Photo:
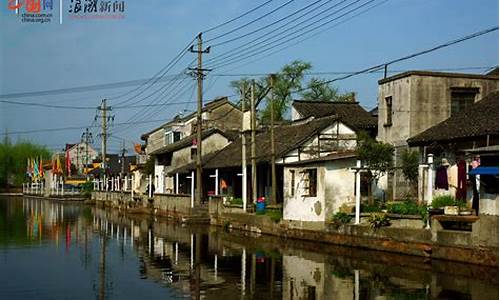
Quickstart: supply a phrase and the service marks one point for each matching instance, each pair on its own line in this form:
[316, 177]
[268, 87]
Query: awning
[484, 171]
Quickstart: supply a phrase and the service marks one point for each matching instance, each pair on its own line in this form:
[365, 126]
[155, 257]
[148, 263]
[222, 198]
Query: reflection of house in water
[236, 265]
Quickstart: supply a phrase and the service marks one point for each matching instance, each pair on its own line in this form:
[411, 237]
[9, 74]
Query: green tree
[409, 167]
[376, 156]
[286, 81]
[289, 79]
[319, 90]
[13, 160]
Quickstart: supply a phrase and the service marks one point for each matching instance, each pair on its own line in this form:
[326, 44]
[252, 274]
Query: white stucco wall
[335, 187]
[299, 207]
[488, 204]
[339, 185]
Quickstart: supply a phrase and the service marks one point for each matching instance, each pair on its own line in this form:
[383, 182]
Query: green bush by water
[378, 220]
[275, 215]
[341, 218]
[446, 200]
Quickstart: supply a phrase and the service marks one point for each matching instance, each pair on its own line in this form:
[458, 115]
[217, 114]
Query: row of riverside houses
[450, 115]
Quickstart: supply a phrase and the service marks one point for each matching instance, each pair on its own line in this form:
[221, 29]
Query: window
[310, 182]
[462, 98]
[388, 111]
[172, 137]
[292, 182]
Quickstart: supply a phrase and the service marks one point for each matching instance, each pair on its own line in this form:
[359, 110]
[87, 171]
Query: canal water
[50, 250]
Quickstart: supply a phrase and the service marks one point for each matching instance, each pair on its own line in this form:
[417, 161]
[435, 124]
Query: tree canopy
[13, 160]
[287, 81]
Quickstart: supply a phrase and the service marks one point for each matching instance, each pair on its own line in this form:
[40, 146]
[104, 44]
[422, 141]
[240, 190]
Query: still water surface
[50, 250]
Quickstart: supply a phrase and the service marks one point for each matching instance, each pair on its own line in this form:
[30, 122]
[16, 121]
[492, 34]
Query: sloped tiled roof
[287, 138]
[187, 141]
[219, 101]
[350, 113]
[479, 120]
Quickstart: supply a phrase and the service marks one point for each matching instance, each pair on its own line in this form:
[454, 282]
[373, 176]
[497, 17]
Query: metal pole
[430, 161]
[358, 191]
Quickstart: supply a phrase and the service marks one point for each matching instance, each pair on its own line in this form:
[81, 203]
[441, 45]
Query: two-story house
[411, 102]
[173, 143]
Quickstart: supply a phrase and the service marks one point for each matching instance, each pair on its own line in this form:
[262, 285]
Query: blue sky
[47, 56]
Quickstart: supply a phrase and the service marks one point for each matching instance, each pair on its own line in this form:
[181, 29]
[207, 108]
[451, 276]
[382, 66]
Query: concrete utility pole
[104, 127]
[253, 127]
[243, 153]
[272, 78]
[199, 72]
[123, 157]
[87, 138]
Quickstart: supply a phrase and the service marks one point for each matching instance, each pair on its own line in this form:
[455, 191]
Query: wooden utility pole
[243, 152]
[253, 127]
[199, 72]
[273, 146]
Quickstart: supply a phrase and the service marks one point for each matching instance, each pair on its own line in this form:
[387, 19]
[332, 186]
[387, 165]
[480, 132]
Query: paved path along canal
[50, 250]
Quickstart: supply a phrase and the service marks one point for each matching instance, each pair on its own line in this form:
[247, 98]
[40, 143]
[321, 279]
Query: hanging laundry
[442, 175]
[453, 179]
[462, 180]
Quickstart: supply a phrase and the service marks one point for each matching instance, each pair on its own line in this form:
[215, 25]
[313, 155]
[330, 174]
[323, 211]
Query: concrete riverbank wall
[477, 246]
[176, 206]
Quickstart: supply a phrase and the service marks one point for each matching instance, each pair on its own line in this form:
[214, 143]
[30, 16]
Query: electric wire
[238, 17]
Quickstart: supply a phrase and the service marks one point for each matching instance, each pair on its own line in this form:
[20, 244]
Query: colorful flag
[28, 167]
[41, 173]
[58, 165]
[54, 166]
[35, 169]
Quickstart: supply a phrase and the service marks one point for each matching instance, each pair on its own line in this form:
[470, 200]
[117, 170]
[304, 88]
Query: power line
[238, 17]
[267, 26]
[78, 127]
[251, 22]
[155, 77]
[80, 89]
[273, 31]
[285, 39]
[379, 66]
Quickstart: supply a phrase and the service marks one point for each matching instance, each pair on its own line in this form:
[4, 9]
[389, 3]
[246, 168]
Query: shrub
[408, 207]
[377, 206]
[274, 214]
[446, 200]
[236, 201]
[86, 189]
[378, 220]
[341, 217]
